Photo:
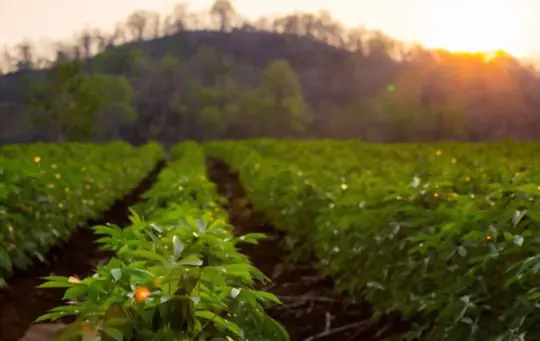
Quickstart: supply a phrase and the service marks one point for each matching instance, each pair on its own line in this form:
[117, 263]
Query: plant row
[447, 235]
[48, 190]
[177, 274]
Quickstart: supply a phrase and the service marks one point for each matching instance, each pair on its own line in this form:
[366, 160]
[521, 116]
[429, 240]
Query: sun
[479, 26]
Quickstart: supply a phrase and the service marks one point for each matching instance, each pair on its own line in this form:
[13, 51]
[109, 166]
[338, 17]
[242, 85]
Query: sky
[452, 24]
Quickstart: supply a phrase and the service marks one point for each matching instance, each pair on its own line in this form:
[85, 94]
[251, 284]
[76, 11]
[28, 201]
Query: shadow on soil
[21, 302]
[311, 310]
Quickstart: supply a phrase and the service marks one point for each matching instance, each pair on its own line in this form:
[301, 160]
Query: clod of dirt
[44, 332]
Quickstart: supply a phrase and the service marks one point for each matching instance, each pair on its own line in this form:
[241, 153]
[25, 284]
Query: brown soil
[21, 302]
[311, 310]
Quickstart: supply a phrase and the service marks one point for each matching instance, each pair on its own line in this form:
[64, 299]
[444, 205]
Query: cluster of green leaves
[48, 190]
[177, 274]
[445, 234]
[72, 102]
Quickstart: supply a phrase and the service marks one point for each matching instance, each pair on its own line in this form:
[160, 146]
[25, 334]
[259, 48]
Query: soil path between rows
[311, 310]
[21, 303]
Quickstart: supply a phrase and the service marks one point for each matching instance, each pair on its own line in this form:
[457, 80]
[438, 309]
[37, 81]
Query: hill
[302, 75]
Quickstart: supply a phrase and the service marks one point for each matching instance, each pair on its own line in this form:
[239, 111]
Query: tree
[70, 100]
[62, 54]
[86, 39]
[210, 65]
[8, 61]
[137, 23]
[115, 111]
[282, 93]
[212, 121]
[177, 20]
[122, 60]
[156, 85]
[63, 101]
[224, 11]
[26, 56]
[154, 19]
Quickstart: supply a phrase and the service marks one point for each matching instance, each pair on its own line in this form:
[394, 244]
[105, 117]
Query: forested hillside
[216, 75]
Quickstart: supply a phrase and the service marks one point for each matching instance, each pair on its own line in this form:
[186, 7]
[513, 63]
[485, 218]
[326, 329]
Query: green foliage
[274, 107]
[218, 106]
[213, 122]
[123, 60]
[169, 63]
[443, 234]
[73, 102]
[177, 274]
[178, 151]
[47, 191]
[115, 95]
[64, 101]
[282, 93]
[406, 119]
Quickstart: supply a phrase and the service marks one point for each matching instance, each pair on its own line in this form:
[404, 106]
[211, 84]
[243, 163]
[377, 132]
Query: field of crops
[46, 191]
[444, 235]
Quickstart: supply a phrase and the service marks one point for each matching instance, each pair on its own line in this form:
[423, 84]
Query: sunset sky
[453, 24]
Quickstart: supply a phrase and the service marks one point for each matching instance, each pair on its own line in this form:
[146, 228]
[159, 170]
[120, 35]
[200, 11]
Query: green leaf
[112, 231]
[54, 284]
[76, 291]
[52, 316]
[191, 260]
[114, 333]
[518, 215]
[267, 296]
[528, 188]
[208, 315]
[148, 255]
[117, 274]
[252, 238]
[5, 261]
[178, 247]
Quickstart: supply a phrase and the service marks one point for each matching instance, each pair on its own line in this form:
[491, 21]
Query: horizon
[457, 27]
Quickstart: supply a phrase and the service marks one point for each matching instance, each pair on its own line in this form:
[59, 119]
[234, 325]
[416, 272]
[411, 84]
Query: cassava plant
[172, 279]
[177, 274]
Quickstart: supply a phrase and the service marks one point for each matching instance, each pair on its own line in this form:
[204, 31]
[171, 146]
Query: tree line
[217, 75]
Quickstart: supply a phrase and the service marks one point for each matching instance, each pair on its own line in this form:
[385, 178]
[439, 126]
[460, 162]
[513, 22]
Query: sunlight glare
[479, 26]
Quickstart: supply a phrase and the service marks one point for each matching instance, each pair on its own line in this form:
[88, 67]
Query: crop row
[177, 274]
[447, 235]
[47, 191]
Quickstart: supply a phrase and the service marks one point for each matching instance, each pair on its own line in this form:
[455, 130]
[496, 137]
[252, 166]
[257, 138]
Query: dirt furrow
[311, 310]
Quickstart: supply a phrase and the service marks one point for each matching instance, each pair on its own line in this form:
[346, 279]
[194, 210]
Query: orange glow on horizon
[479, 26]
